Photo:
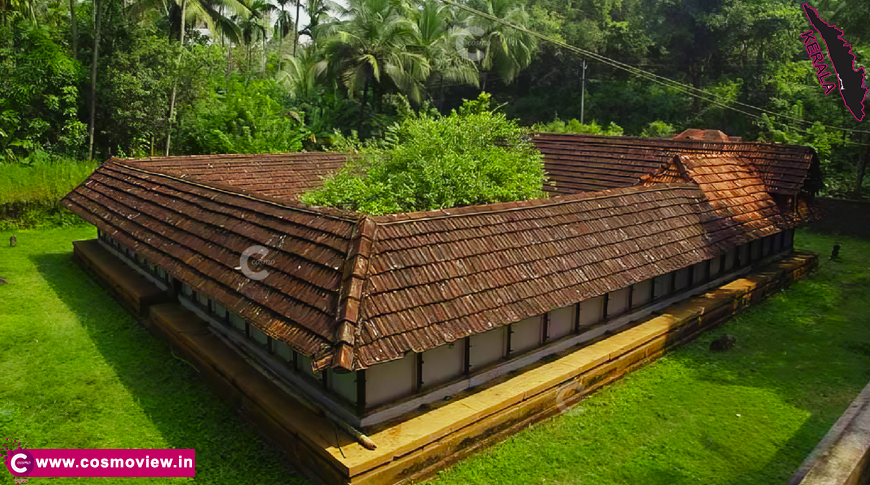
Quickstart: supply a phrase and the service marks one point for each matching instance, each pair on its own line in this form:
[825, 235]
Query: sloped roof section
[281, 176]
[738, 207]
[439, 276]
[197, 234]
[578, 163]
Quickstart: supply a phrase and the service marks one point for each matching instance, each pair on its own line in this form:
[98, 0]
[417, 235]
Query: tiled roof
[197, 234]
[283, 176]
[734, 194]
[436, 277]
[352, 291]
[587, 162]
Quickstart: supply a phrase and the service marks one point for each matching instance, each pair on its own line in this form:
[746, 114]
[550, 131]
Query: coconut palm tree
[302, 73]
[439, 36]
[506, 51]
[254, 28]
[318, 13]
[180, 14]
[282, 28]
[376, 46]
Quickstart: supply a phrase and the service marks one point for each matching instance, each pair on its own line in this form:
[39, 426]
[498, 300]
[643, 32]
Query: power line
[687, 89]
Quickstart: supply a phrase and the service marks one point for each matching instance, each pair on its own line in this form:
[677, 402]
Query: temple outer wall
[430, 441]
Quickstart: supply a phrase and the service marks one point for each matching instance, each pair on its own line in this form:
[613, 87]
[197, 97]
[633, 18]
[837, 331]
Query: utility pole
[583, 93]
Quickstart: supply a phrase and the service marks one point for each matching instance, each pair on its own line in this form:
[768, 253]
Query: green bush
[246, 119]
[658, 129]
[426, 162]
[575, 127]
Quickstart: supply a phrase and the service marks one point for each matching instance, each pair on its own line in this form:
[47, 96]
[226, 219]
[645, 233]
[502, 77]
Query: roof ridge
[347, 315]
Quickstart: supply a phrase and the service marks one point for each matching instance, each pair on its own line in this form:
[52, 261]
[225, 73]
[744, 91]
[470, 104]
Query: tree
[302, 72]
[95, 57]
[318, 13]
[207, 11]
[375, 46]
[439, 35]
[282, 28]
[38, 95]
[506, 51]
[253, 28]
[74, 28]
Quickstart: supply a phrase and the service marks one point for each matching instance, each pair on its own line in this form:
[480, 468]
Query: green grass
[41, 183]
[79, 372]
[30, 195]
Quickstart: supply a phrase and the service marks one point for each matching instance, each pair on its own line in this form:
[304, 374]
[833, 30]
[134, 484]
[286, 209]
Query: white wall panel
[444, 363]
[663, 284]
[755, 250]
[488, 347]
[283, 351]
[730, 259]
[561, 322]
[617, 302]
[699, 273]
[716, 267]
[744, 254]
[591, 311]
[682, 276]
[526, 334]
[390, 381]
[641, 295]
[344, 385]
[304, 366]
[258, 336]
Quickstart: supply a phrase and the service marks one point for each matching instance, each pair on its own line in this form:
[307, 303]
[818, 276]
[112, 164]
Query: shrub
[575, 127]
[658, 129]
[473, 156]
[247, 119]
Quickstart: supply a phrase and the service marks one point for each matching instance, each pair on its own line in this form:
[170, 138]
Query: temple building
[375, 318]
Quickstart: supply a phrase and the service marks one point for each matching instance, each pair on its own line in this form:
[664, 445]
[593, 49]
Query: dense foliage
[241, 120]
[96, 78]
[472, 156]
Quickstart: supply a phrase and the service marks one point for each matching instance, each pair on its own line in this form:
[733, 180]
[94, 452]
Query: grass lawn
[78, 372]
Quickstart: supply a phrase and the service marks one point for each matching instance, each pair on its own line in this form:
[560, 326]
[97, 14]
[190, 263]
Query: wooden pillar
[606, 303]
[577, 318]
[419, 371]
[510, 330]
[467, 364]
[545, 327]
[360, 391]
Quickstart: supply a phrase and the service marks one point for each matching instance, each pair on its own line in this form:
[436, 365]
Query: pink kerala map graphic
[848, 80]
